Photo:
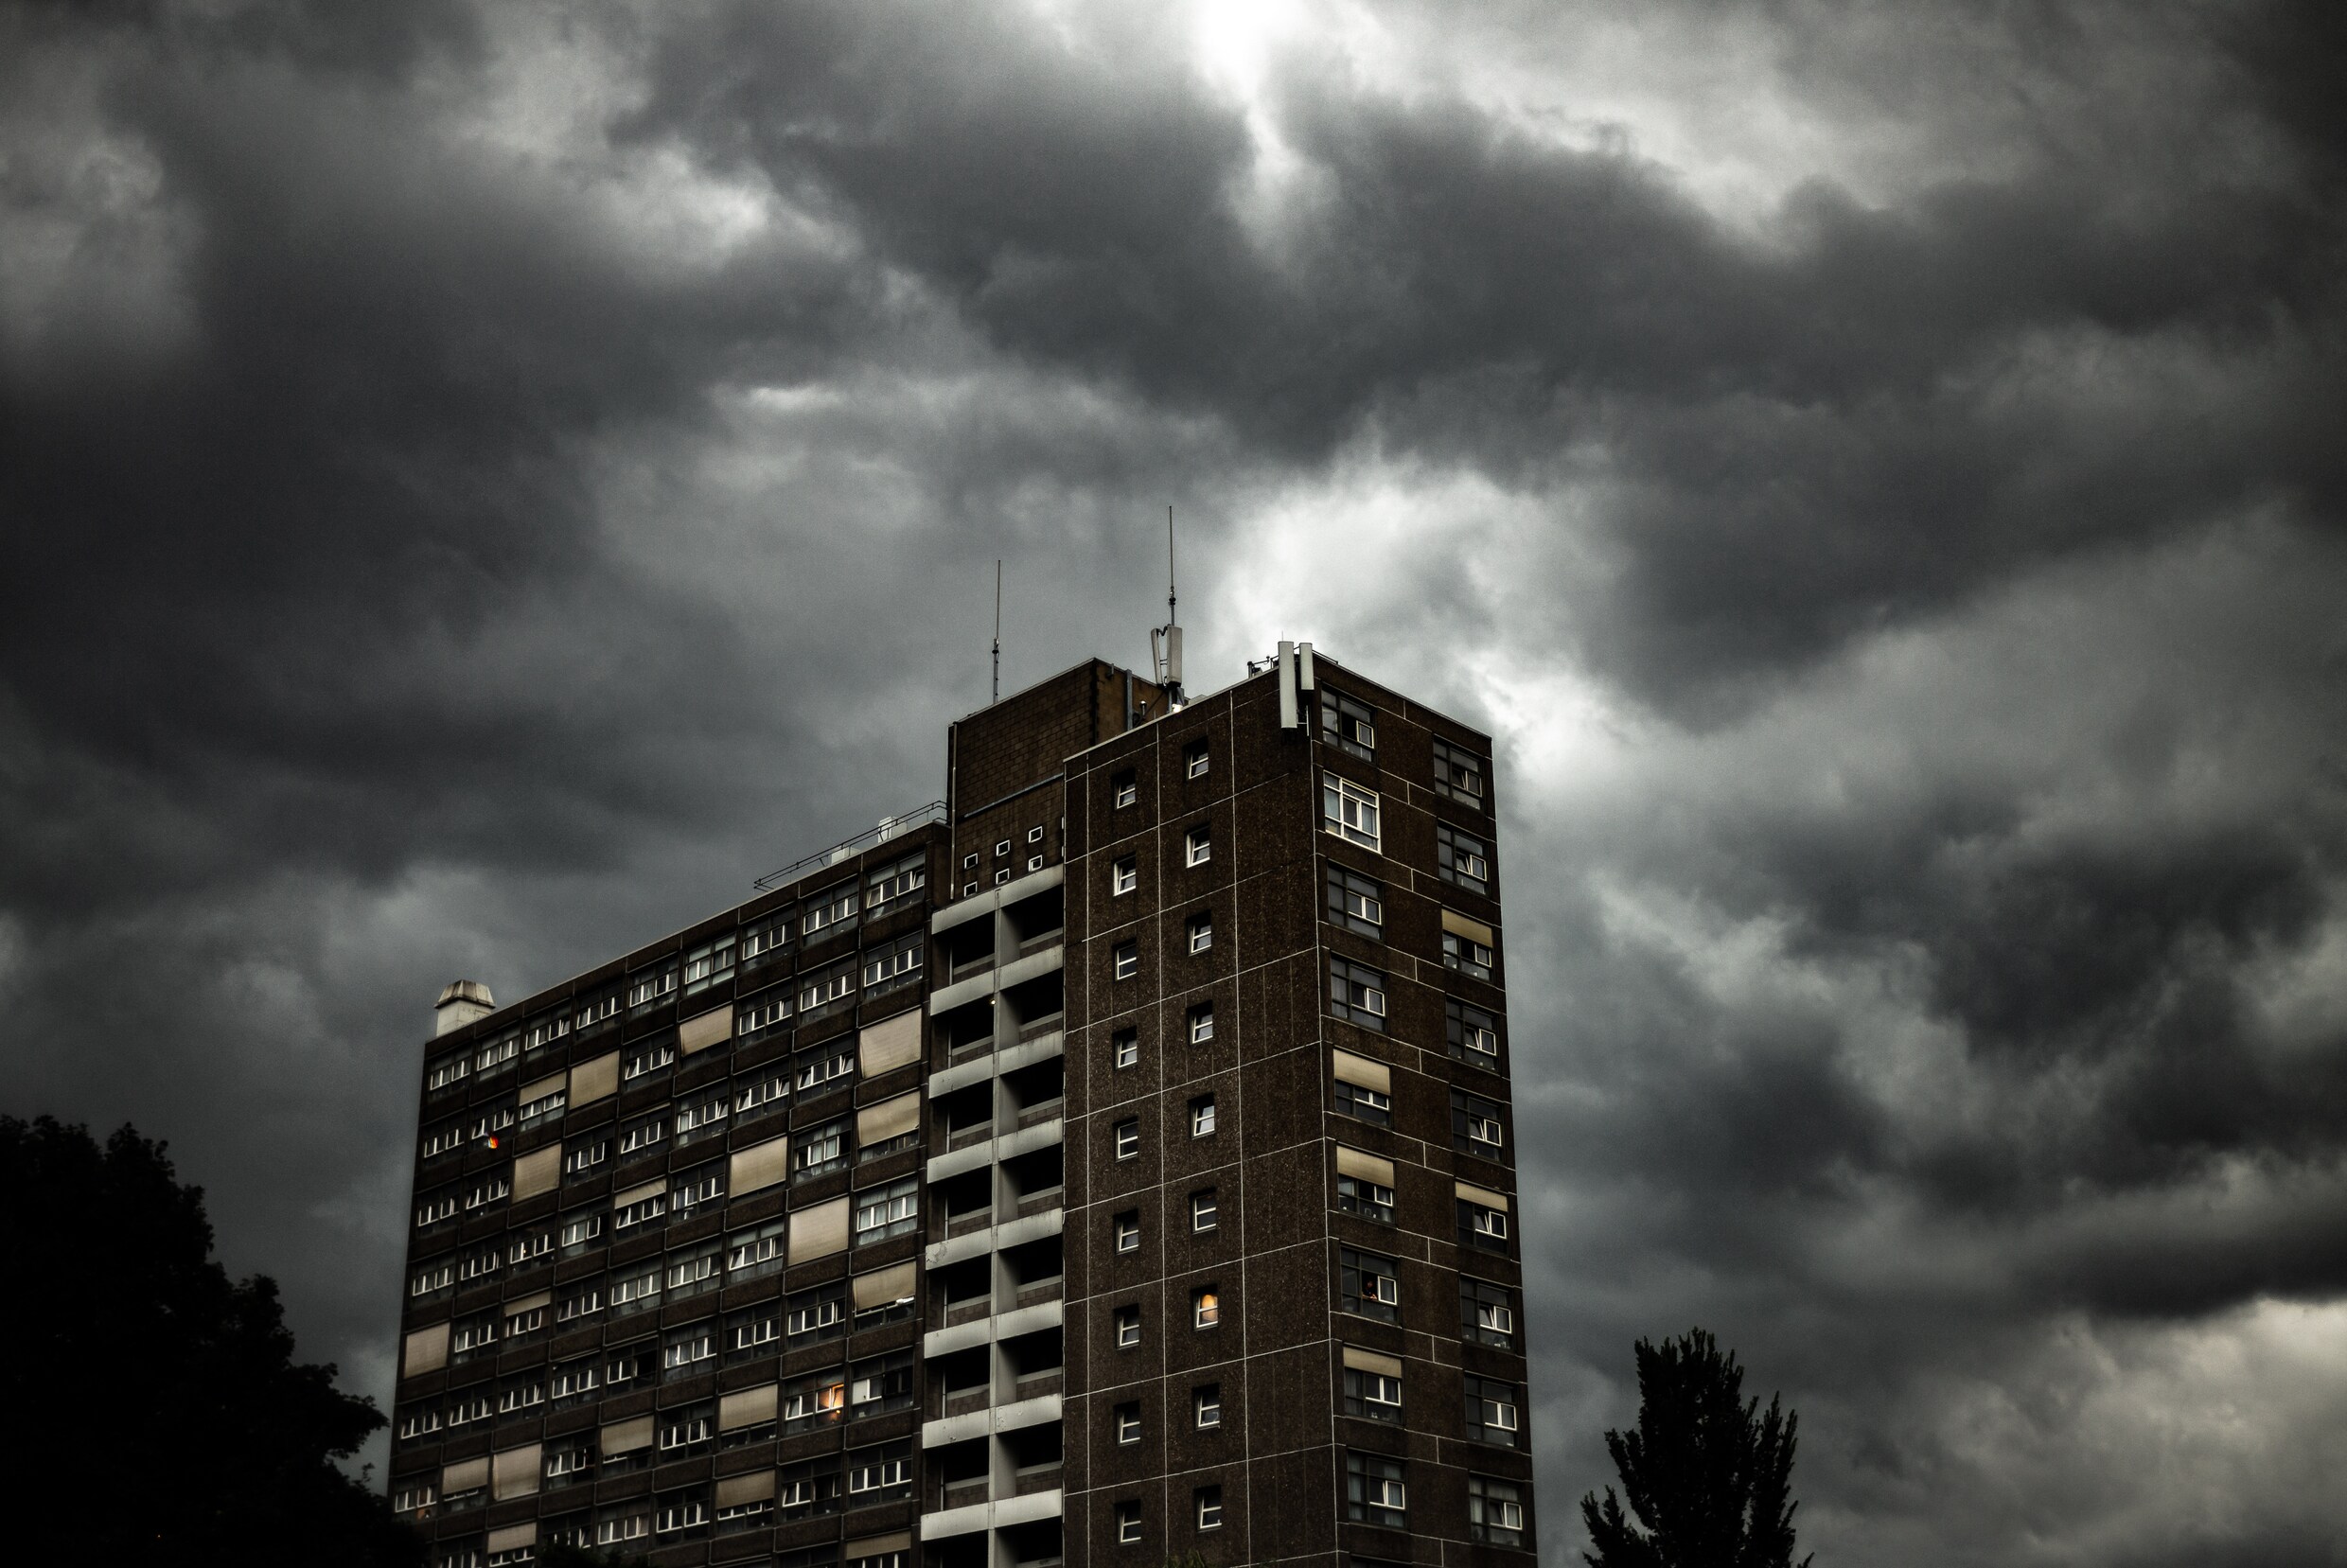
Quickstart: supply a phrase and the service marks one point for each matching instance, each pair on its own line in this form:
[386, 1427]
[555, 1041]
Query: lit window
[1202, 1116]
[1126, 877]
[1206, 1307]
[1128, 1134]
[1349, 811]
[1203, 1210]
[1198, 845]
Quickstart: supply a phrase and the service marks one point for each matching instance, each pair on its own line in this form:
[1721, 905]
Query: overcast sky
[479, 484]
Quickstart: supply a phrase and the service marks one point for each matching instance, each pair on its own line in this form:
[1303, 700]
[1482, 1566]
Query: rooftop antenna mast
[998, 693]
[1165, 643]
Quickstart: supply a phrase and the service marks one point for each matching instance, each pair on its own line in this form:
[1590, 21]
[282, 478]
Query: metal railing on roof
[847, 849]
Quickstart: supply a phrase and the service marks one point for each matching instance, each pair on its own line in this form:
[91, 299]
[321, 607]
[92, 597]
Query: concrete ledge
[993, 1064]
[1000, 977]
[961, 911]
[979, 1330]
[992, 1515]
[977, 1244]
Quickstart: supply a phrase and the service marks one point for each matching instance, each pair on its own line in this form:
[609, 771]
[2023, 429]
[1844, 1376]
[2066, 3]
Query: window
[623, 1366]
[813, 1400]
[890, 887]
[1128, 1523]
[1458, 774]
[469, 1406]
[1128, 1047]
[472, 1336]
[1206, 1406]
[1128, 1424]
[882, 1473]
[1492, 1411]
[579, 1302]
[1364, 1103]
[829, 911]
[544, 1108]
[1370, 1200]
[1347, 725]
[1474, 1035]
[1486, 1314]
[639, 1212]
[576, 1382]
[496, 1056]
[682, 1514]
[687, 1429]
[639, 1134]
[1356, 993]
[435, 1209]
[1209, 1501]
[695, 1272]
[1349, 811]
[885, 1212]
[1462, 859]
[487, 1191]
[581, 1229]
[1367, 1285]
[827, 990]
[897, 965]
[1035, 862]
[647, 989]
[767, 937]
[1128, 1328]
[1124, 877]
[818, 1149]
[813, 1316]
[751, 1513]
[1356, 902]
[1375, 1492]
[622, 1521]
[1202, 1116]
[880, 1384]
[1002, 848]
[636, 1290]
[1125, 789]
[754, 1332]
[689, 1349]
[1482, 1225]
[1195, 759]
[416, 1425]
[523, 1323]
[1495, 1510]
[709, 963]
[703, 1116]
[596, 1012]
[1469, 952]
[1126, 1229]
[1198, 845]
[1201, 1023]
[415, 1498]
[1201, 929]
[1034, 835]
[1128, 1139]
[1475, 1126]
[521, 1396]
[433, 1280]
[647, 1058]
[1206, 1307]
[826, 1067]
[688, 1190]
[448, 1072]
[763, 1016]
[481, 1264]
[806, 1489]
[1204, 1211]
[1373, 1395]
[581, 1161]
[445, 1138]
[762, 1095]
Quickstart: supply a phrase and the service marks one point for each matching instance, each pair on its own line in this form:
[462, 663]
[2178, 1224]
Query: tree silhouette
[1707, 1474]
[155, 1413]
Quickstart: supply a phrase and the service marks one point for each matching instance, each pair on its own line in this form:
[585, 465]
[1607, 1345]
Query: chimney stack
[461, 1002]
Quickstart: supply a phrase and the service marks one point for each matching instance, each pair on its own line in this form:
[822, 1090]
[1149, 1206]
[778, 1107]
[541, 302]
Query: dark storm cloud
[457, 461]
